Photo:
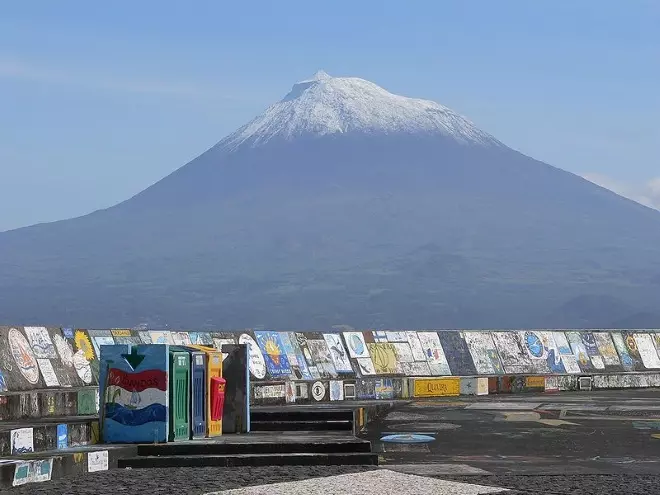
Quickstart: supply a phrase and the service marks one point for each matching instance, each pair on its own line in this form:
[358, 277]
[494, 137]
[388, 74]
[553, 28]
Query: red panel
[137, 382]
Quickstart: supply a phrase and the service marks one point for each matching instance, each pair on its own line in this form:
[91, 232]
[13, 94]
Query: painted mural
[321, 355]
[256, 363]
[607, 350]
[133, 389]
[514, 358]
[484, 354]
[592, 350]
[383, 357]
[647, 351]
[579, 351]
[631, 348]
[568, 359]
[299, 368]
[338, 354]
[457, 353]
[277, 362]
[59, 358]
[435, 354]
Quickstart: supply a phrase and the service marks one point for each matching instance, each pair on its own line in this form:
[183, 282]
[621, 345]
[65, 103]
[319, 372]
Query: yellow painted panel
[383, 355]
[535, 382]
[437, 387]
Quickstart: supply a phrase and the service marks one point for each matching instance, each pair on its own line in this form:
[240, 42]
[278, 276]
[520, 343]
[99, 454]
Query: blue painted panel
[134, 389]
[62, 437]
[198, 394]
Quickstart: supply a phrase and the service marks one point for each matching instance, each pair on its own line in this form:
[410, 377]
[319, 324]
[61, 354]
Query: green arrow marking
[133, 359]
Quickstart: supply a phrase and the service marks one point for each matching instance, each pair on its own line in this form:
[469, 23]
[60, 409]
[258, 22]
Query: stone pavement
[377, 482]
[605, 443]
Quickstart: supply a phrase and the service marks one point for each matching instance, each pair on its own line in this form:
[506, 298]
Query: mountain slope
[345, 203]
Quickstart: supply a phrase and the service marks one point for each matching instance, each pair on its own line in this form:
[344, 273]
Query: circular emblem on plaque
[318, 391]
[257, 364]
[23, 355]
[534, 344]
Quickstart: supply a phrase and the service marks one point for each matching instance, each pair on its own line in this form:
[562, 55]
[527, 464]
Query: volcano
[346, 204]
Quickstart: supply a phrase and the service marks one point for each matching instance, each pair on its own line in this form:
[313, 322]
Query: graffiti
[82, 367]
[23, 356]
[357, 348]
[647, 351]
[435, 355]
[383, 388]
[256, 362]
[457, 353]
[48, 373]
[514, 358]
[416, 346]
[396, 336]
[64, 349]
[370, 356]
[40, 341]
[338, 353]
[606, 348]
[301, 341]
[592, 350]
[134, 393]
[579, 351]
[336, 390]
[277, 362]
[22, 441]
[295, 355]
[484, 355]
[366, 366]
[320, 354]
[101, 338]
[383, 356]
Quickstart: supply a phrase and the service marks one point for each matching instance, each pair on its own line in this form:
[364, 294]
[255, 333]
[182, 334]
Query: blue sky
[100, 100]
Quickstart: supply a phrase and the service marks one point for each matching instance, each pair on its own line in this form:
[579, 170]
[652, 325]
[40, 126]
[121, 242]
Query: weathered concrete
[596, 433]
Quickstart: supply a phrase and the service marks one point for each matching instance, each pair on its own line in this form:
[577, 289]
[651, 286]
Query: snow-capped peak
[325, 105]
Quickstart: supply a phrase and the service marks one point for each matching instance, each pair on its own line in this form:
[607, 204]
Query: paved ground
[599, 442]
[587, 443]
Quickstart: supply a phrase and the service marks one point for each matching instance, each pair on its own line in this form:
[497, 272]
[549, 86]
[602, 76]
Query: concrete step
[290, 459]
[324, 425]
[350, 445]
[303, 415]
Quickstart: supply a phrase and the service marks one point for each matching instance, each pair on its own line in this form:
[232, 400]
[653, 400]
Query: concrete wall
[303, 367]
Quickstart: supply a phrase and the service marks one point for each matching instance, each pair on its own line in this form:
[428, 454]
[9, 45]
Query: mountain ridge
[310, 229]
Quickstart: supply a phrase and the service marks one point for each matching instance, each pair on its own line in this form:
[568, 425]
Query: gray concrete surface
[603, 443]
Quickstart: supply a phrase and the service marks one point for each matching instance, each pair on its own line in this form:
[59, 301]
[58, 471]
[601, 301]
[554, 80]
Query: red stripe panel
[137, 382]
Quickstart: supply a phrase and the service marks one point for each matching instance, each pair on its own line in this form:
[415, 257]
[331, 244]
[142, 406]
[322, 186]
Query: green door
[179, 396]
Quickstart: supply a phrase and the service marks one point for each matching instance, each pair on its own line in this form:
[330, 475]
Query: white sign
[256, 361]
[47, 371]
[40, 341]
[22, 441]
[97, 461]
